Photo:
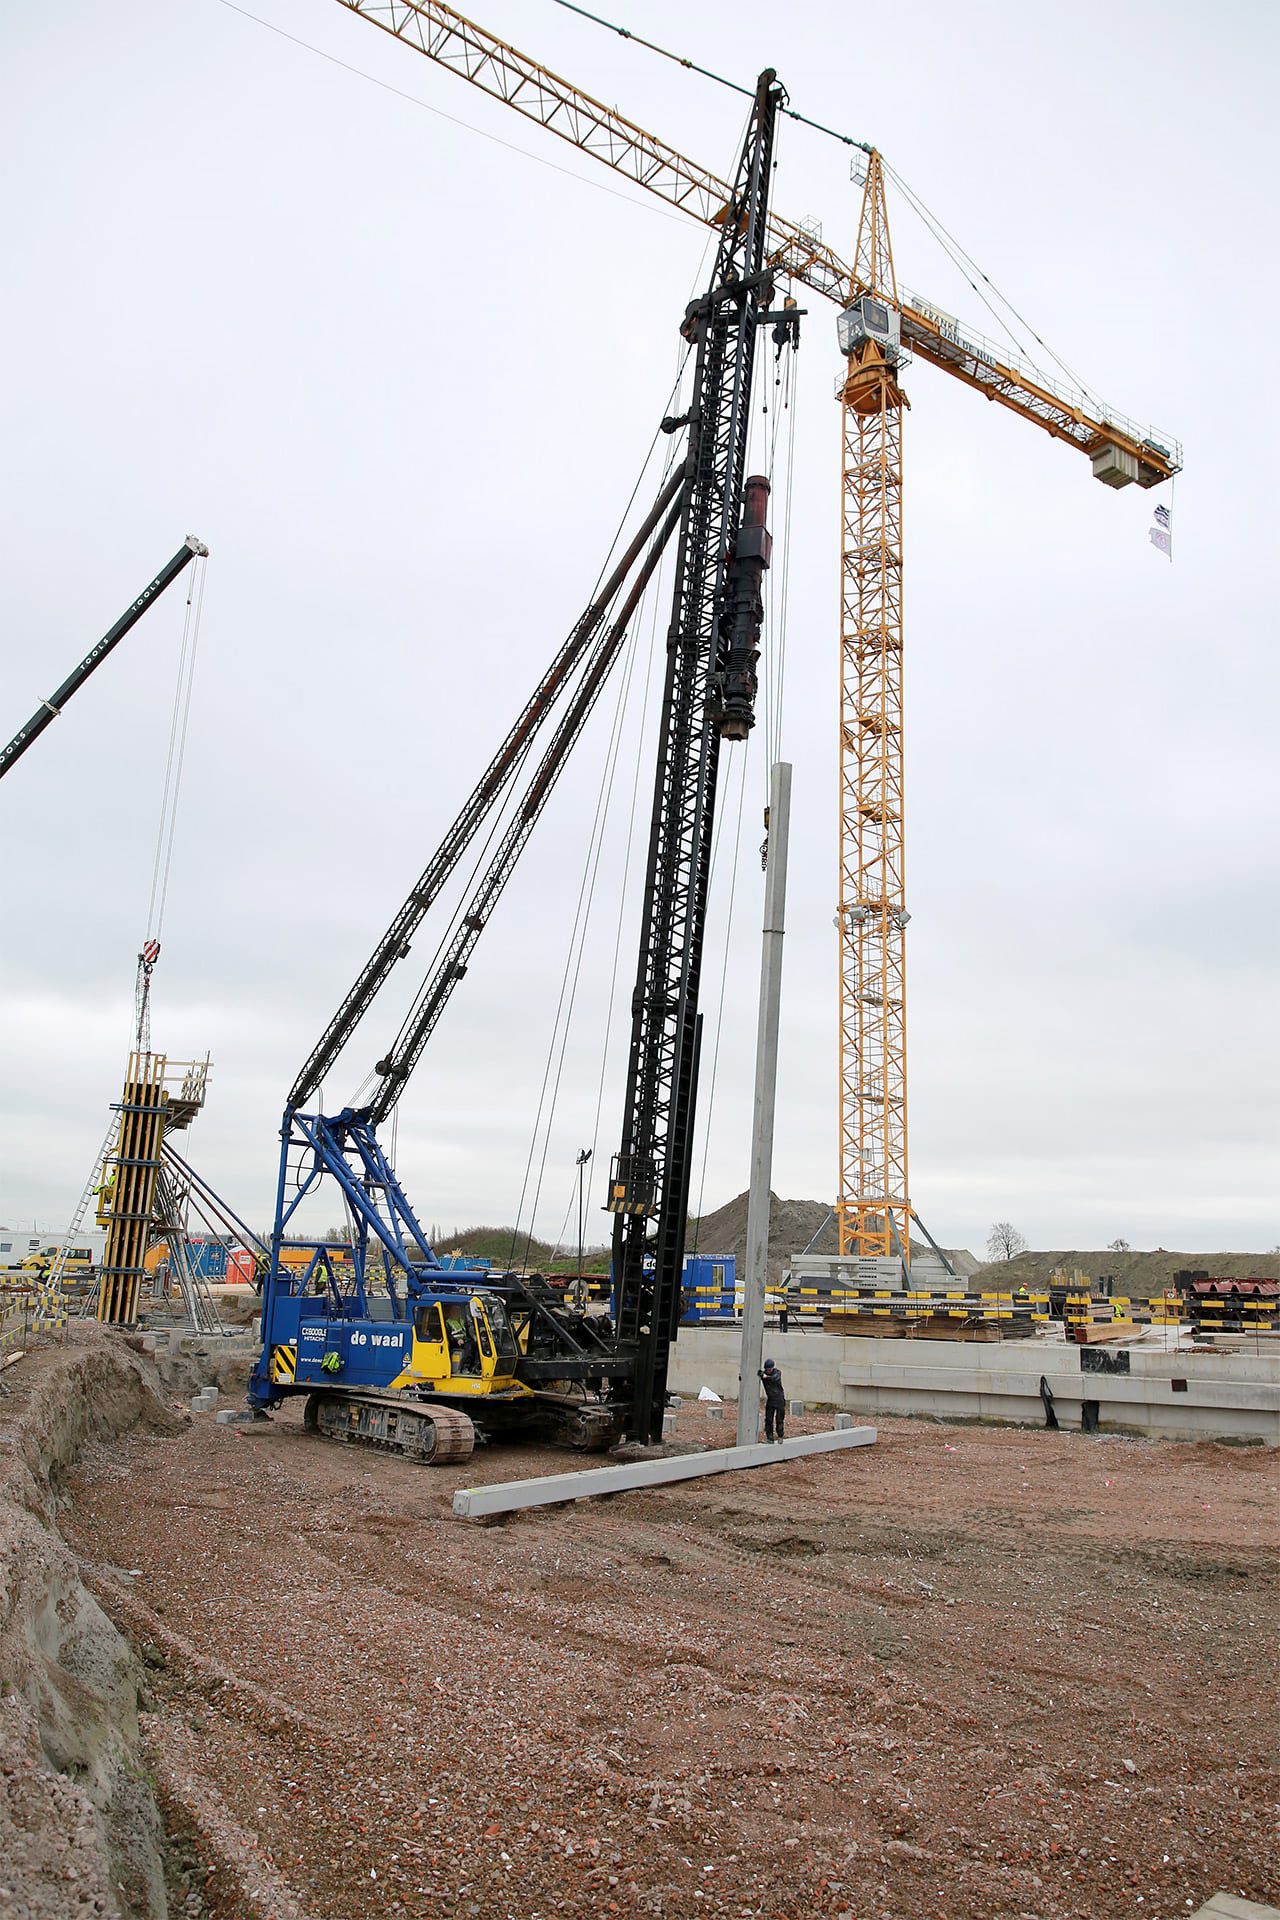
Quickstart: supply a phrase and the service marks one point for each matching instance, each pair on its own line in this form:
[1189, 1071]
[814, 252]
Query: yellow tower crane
[880, 327]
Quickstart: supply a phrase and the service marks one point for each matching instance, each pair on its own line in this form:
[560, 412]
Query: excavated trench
[91, 1821]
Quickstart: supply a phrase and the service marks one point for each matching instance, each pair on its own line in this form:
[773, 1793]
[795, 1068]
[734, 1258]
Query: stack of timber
[1090, 1322]
[946, 1321]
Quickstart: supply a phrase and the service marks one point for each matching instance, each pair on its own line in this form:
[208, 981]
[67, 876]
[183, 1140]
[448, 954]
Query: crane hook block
[743, 616]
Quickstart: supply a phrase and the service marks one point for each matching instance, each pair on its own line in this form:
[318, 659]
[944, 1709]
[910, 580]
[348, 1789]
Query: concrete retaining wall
[1226, 1395]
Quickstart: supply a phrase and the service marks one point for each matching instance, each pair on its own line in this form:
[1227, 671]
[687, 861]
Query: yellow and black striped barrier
[284, 1364]
[1245, 1313]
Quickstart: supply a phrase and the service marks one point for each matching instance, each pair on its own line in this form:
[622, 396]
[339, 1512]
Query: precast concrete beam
[549, 1490]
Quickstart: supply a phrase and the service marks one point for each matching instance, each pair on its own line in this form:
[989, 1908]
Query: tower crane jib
[879, 325]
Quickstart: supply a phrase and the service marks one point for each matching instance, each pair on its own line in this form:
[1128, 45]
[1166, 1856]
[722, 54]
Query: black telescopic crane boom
[49, 709]
[708, 694]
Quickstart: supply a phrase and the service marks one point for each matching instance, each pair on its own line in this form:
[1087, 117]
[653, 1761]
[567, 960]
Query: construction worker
[775, 1402]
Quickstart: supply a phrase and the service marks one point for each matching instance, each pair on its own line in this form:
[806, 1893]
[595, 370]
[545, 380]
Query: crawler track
[432, 1434]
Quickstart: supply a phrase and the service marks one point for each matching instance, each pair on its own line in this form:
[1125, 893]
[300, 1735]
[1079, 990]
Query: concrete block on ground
[796, 1408]
[210, 1394]
[715, 1413]
[198, 1403]
[843, 1422]
[472, 1503]
[668, 1423]
[1229, 1906]
[234, 1417]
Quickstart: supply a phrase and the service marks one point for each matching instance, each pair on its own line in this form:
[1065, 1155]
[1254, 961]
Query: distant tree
[1118, 1246]
[337, 1236]
[1004, 1242]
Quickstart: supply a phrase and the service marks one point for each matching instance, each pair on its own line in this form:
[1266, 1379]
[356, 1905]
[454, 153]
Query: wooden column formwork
[129, 1199]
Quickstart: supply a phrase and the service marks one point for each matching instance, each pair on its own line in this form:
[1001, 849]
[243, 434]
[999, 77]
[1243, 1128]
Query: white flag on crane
[1161, 535]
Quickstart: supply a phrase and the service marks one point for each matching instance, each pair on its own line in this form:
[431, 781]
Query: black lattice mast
[708, 692]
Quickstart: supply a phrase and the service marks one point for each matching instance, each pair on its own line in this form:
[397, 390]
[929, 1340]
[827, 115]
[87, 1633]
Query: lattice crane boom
[880, 324]
[501, 71]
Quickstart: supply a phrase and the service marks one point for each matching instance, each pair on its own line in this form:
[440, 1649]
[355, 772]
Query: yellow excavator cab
[463, 1346]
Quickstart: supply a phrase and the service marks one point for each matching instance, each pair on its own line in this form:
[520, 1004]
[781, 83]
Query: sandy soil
[966, 1673]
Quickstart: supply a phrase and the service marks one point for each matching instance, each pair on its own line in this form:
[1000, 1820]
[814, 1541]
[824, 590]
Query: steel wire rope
[515, 795]
[624, 892]
[961, 259]
[682, 362]
[413, 100]
[569, 987]
[578, 932]
[707, 73]
[931, 222]
[630, 840]
[709, 1107]
[784, 585]
[176, 758]
[559, 1239]
[784, 383]
[658, 586]
[773, 748]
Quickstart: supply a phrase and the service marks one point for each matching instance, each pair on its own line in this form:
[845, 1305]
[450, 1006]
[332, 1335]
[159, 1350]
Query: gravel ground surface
[966, 1674]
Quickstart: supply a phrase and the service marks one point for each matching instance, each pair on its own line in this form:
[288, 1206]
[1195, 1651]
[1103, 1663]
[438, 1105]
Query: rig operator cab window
[475, 1335]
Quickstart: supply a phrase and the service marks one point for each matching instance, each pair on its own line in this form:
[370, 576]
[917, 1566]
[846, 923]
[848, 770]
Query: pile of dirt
[1138, 1275]
[795, 1226]
[80, 1833]
[505, 1247]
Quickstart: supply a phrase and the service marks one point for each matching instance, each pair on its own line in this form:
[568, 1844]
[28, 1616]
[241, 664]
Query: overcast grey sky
[401, 379]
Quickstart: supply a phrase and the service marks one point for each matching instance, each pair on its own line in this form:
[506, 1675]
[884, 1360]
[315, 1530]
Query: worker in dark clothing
[775, 1402]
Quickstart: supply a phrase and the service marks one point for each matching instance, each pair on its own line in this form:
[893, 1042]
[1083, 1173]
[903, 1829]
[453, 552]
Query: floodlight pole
[757, 1250]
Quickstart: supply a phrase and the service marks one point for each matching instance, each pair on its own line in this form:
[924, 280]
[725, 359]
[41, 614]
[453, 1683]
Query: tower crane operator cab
[870, 319]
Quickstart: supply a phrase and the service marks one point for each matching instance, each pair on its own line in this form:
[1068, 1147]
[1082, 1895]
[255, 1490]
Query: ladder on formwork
[53, 1279]
[171, 1219]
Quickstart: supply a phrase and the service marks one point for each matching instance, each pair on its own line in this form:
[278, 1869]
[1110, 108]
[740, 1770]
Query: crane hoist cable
[562, 1022]
[544, 1118]
[557, 1047]
[488, 792]
[968, 267]
[395, 1068]
[166, 828]
[691, 66]
[454, 120]
[491, 800]
[625, 891]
